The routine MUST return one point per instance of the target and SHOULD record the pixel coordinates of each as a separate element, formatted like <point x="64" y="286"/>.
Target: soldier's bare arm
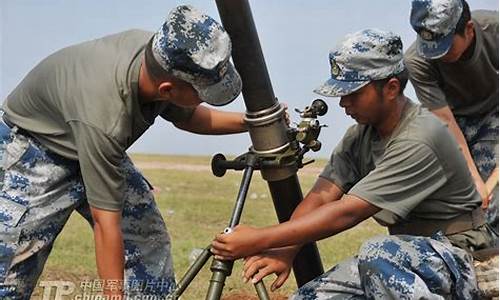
<point x="207" y="120"/>
<point x="108" y="246"/>
<point x="310" y="225"/>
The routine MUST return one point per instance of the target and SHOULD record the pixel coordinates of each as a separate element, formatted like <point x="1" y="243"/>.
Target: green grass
<point x="186" y="159"/>
<point x="196" y="206"/>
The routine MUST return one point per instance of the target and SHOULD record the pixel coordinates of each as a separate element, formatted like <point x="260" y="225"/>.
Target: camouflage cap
<point x="435" y="22"/>
<point x="195" y="48"/>
<point x="360" y="58"/>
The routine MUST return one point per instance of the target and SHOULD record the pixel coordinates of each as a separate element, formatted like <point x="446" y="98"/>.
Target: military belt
<point x="465" y="222"/>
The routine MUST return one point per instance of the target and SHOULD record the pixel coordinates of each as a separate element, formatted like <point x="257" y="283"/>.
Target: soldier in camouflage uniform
<point x="453" y="67"/>
<point x="400" y="165"/>
<point x="63" y="141"/>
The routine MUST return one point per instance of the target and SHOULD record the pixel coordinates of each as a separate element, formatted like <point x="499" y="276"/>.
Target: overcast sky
<point x="295" y="37"/>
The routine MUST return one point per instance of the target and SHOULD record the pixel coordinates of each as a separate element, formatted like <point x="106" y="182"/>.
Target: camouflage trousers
<point x="398" y="267"/>
<point x="39" y="192"/>
<point x="481" y="134"/>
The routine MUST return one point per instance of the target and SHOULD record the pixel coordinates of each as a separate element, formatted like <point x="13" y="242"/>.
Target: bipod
<point x="222" y="269"/>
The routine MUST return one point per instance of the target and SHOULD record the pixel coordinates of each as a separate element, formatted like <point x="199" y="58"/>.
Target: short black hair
<point x="402" y="77"/>
<point x="465" y="17"/>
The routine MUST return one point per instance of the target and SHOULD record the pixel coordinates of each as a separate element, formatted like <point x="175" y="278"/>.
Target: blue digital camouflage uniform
<point x="41" y="190"/>
<point x="396" y="266"/>
<point x="481" y="134"/>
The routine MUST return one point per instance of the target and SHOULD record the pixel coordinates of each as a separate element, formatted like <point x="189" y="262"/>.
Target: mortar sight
<point x="308" y="129"/>
<point x="317" y="108"/>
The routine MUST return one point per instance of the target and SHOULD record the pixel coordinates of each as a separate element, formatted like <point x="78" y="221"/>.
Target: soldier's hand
<point x="241" y="242"/>
<point x="277" y="261"/>
<point x="490" y="185"/>
<point x="483" y="192"/>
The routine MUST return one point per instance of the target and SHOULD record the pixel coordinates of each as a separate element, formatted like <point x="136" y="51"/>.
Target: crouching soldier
<point x="399" y="165"/>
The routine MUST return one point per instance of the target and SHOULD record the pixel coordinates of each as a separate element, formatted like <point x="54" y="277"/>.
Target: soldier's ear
<point x="392" y="88"/>
<point x="165" y="90"/>
<point x="469" y="29"/>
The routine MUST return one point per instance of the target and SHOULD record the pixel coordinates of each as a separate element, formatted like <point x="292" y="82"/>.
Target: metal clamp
<point x="266" y="116"/>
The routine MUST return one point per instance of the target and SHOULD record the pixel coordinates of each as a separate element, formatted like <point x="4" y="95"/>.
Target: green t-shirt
<point x="82" y="103"/>
<point x="469" y="88"/>
<point x="417" y="173"/>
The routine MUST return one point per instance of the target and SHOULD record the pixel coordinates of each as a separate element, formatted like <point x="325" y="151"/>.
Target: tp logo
<point x="63" y="288"/>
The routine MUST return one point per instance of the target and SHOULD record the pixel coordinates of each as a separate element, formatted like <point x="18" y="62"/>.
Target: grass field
<point x="196" y="205"/>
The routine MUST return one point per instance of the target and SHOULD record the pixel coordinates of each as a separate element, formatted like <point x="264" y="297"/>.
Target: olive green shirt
<point x="82" y="103"/>
<point x="416" y="173"/>
<point x="469" y="87"/>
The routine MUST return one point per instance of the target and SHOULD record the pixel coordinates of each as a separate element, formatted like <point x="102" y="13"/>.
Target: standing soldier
<point x="67" y="127"/>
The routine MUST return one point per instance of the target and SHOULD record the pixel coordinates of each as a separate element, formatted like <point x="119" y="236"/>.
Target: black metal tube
<point x="259" y="98"/>
<point x="289" y="189"/>
<point x="242" y="194"/>
<point x="247" y="55"/>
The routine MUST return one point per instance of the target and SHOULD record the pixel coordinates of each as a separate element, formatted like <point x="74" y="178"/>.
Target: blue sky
<point x="295" y="37"/>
